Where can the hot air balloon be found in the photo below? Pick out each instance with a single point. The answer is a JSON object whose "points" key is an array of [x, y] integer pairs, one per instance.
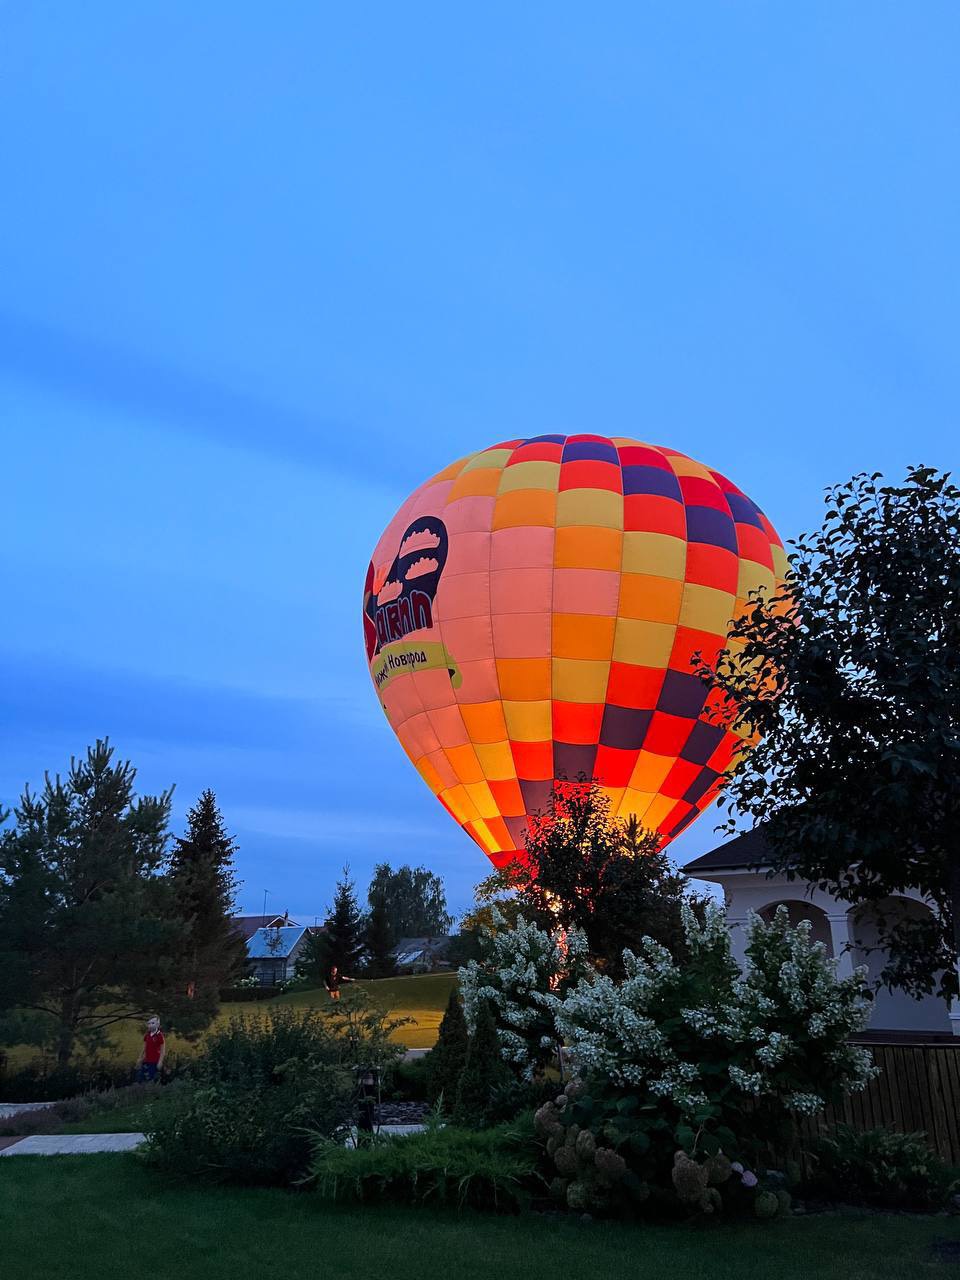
{"points": [[531, 612]]}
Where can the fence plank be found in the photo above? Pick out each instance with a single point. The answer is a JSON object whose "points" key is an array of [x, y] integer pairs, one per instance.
{"points": [[918, 1090]]}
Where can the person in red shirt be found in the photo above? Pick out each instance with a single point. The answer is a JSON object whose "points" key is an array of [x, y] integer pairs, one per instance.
{"points": [[150, 1062]]}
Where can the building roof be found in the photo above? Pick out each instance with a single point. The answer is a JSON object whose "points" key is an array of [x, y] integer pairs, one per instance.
{"points": [[247, 926], [747, 850], [410, 951], [275, 944], [436, 942]]}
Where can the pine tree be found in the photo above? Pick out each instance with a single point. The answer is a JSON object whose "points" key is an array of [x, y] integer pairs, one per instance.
{"points": [[483, 1072], [203, 881], [379, 939], [343, 940], [87, 937], [448, 1058]]}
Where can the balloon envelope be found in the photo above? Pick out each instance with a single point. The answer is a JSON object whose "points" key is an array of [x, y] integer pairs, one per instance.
{"points": [[531, 612]]}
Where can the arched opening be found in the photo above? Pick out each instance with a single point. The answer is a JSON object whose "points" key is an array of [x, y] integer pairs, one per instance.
{"points": [[799, 910], [893, 1010]]}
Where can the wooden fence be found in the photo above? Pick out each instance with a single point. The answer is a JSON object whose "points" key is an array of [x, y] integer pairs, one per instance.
{"points": [[917, 1090]]}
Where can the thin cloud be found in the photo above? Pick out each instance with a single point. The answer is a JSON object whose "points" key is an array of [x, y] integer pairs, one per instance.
{"points": [[129, 382]]}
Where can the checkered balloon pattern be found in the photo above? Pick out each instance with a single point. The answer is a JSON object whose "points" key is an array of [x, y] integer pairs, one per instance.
{"points": [[531, 613]]}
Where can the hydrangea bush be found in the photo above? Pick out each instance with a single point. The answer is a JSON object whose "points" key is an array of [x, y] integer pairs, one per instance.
{"points": [[696, 1058], [703, 1037], [523, 970]]}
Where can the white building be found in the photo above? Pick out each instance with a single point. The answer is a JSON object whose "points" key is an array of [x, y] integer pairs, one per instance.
{"points": [[740, 868]]}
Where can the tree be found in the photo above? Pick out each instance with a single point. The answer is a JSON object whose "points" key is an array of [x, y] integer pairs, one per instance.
{"points": [[845, 690], [379, 939], [484, 1071], [448, 1057], [203, 883], [415, 900], [585, 870], [87, 934], [340, 942]]}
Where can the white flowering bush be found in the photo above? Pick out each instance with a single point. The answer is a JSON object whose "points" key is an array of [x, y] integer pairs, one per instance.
{"points": [[704, 1038], [701, 1058], [523, 970]]}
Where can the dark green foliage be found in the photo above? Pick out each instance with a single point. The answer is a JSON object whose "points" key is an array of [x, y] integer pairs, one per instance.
{"points": [[114, 1110], [464, 947], [610, 1154], [448, 1058], [414, 900], [880, 1168], [87, 934], [37, 1084], [212, 953], [483, 1073], [379, 938], [586, 870], [340, 942], [493, 1170], [260, 1090], [851, 677], [408, 1081]]}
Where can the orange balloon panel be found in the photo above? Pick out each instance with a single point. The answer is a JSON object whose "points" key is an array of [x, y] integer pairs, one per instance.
{"points": [[531, 613]]}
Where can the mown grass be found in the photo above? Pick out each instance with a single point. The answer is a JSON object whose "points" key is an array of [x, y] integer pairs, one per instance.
{"points": [[107, 1217], [422, 997]]}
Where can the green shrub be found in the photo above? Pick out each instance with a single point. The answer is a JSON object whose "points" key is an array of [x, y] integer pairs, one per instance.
{"points": [[261, 1090], [43, 1083], [492, 1170], [448, 1058], [409, 1081], [881, 1168], [483, 1073], [619, 1156]]}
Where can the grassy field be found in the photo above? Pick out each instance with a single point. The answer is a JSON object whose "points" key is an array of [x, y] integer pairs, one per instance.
{"points": [[423, 998], [107, 1217]]}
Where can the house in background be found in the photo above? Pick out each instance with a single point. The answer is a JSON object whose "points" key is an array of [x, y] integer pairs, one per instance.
{"points": [[741, 869], [422, 955], [273, 951], [247, 926]]}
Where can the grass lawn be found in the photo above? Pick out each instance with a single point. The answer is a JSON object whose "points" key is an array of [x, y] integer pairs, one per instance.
{"points": [[106, 1217], [423, 997]]}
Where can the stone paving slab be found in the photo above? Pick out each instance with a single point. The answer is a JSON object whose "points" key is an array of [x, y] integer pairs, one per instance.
{"points": [[72, 1144], [8, 1109]]}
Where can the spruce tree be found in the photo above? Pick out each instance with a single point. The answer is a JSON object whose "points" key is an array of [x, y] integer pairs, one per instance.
{"points": [[379, 939], [202, 877], [343, 933], [484, 1071], [448, 1057], [87, 936]]}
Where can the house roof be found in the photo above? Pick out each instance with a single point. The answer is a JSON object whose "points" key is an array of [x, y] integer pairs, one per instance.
{"points": [[275, 944], [247, 926], [435, 943], [747, 850]]}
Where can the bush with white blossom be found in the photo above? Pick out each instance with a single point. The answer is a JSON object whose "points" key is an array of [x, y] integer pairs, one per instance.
{"points": [[523, 970], [704, 1038], [692, 1073]]}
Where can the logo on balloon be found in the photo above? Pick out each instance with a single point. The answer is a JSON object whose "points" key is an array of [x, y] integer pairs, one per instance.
{"points": [[403, 601]]}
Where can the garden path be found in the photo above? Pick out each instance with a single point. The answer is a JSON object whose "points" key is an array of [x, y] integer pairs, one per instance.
{"points": [[71, 1144]]}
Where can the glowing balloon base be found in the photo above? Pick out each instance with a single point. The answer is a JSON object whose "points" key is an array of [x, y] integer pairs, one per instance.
{"points": [[531, 613]]}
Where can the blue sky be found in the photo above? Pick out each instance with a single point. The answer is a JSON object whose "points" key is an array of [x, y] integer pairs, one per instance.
{"points": [[265, 268]]}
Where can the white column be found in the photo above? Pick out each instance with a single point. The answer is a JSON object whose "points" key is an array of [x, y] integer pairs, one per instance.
{"points": [[737, 927], [953, 1012], [842, 944]]}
